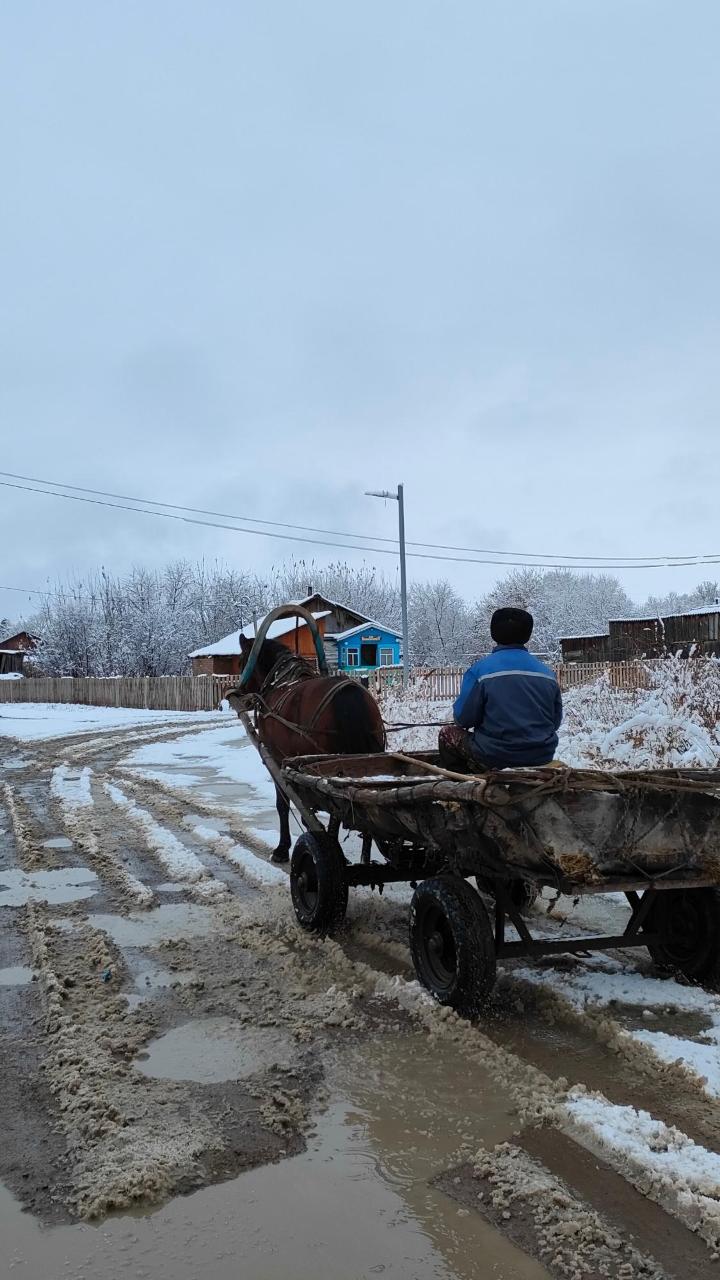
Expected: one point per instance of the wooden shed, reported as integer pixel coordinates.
(585, 648)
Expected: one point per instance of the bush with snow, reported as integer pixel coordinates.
(673, 724)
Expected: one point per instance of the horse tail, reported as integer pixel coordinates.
(358, 723)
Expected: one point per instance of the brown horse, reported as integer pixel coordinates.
(300, 713)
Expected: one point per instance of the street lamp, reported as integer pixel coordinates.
(399, 498)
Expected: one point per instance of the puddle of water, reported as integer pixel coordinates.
(16, 975)
(684, 1023)
(206, 781)
(57, 842)
(213, 1050)
(201, 820)
(171, 888)
(146, 929)
(328, 1211)
(64, 884)
(154, 979)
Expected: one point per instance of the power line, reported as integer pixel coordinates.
(26, 591)
(198, 511)
(616, 561)
(285, 537)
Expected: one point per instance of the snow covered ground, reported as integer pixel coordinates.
(33, 721)
(226, 750)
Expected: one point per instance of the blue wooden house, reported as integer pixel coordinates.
(363, 648)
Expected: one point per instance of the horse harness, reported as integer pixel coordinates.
(285, 675)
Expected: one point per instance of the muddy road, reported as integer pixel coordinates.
(193, 1086)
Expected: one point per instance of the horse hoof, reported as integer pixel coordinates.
(280, 855)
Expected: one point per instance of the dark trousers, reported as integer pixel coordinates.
(457, 753)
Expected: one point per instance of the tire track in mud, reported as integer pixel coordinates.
(31, 855)
(84, 826)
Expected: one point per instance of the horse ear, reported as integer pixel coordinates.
(245, 644)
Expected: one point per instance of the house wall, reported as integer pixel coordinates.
(586, 649)
(11, 660)
(373, 635)
(631, 638)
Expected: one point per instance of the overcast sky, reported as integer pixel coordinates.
(262, 257)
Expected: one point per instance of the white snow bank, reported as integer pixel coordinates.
(424, 715)
(607, 988)
(668, 1157)
(33, 721)
(674, 724)
(701, 1056)
(72, 788)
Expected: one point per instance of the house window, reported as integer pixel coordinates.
(386, 657)
(352, 658)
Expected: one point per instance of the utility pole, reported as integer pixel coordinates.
(399, 497)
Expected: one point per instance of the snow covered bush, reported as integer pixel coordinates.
(423, 715)
(674, 724)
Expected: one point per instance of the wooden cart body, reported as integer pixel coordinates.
(653, 836)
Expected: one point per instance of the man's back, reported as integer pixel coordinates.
(512, 701)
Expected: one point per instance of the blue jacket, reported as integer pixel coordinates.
(513, 703)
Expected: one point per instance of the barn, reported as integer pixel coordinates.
(585, 648)
(695, 633)
(14, 652)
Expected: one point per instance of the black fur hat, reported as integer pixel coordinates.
(511, 626)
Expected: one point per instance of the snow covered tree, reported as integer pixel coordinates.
(439, 624)
(562, 602)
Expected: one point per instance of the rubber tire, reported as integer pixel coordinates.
(523, 893)
(688, 921)
(321, 857)
(469, 961)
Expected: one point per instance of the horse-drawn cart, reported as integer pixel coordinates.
(652, 836)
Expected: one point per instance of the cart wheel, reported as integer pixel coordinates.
(452, 944)
(522, 893)
(317, 883)
(688, 922)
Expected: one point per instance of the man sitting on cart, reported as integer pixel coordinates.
(510, 706)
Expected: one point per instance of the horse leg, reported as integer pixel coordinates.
(282, 852)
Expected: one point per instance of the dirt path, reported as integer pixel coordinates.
(173, 1045)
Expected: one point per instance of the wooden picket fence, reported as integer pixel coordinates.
(443, 683)
(152, 693)
(204, 693)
